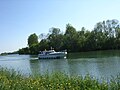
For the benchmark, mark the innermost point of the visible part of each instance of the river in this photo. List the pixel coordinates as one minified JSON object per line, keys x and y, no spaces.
{"x":100,"y":64}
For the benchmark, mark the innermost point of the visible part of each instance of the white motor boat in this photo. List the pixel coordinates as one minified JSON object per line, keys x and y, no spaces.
{"x":51,"y":54}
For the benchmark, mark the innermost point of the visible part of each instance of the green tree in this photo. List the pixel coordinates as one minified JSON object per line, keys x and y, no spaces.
{"x":24,"y":51}
{"x":70,"y":38}
{"x":117,"y":41}
{"x":82,"y":39}
{"x":32,"y":39}
{"x":44,"y":44}
{"x":33,"y":43}
{"x":34,"y":49}
{"x":55,"y":38}
{"x":105,"y":34}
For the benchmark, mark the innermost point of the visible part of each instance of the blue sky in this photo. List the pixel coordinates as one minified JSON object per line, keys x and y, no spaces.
{"x":20,"y":18}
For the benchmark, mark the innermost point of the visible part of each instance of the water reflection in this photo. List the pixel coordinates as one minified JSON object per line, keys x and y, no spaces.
{"x":81,"y":67}
{"x":17,"y":62}
{"x":34,"y":66}
{"x":108,"y":67}
{"x":49,"y":66}
{"x":98,"y":67}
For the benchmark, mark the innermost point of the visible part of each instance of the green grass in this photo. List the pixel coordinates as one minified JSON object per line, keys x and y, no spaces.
{"x":10,"y":80}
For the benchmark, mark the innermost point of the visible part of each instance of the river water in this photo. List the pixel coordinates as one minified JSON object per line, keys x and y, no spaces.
{"x":98,"y":64}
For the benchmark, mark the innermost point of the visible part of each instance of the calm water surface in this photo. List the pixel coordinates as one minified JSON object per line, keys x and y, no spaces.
{"x":99,"y":64}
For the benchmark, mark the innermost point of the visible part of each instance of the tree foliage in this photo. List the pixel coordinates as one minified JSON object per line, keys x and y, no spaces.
{"x":32,"y":39}
{"x":24,"y":51}
{"x":104,"y":36}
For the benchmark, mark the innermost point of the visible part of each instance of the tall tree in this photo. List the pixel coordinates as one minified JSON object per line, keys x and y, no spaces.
{"x":117,"y":41}
{"x":44,"y":44}
{"x":106,"y":34}
{"x":82,"y":37}
{"x":55,"y":38}
{"x":70,"y":38}
{"x":32,"y":39}
{"x":33,"y":43}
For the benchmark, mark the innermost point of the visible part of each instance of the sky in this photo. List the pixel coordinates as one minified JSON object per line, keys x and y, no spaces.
{"x":20,"y":18}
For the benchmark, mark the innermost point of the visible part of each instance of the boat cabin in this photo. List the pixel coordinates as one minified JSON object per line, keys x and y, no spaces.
{"x":46,"y":52}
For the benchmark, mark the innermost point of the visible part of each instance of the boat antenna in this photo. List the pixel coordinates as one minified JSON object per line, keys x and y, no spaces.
{"x":51,"y":48}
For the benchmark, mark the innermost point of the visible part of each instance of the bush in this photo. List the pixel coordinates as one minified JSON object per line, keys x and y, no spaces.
{"x":11,"y":80}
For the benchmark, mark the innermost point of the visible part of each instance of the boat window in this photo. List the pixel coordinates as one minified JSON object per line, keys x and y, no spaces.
{"x":47,"y":53}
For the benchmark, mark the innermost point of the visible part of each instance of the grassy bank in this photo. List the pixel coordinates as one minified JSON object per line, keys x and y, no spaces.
{"x":10,"y":80}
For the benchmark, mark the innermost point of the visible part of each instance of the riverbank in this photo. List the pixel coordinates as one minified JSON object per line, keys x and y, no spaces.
{"x":11,"y":80}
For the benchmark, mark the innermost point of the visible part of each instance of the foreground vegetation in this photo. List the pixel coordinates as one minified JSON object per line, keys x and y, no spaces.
{"x":104,"y":36}
{"x":10,"y":80}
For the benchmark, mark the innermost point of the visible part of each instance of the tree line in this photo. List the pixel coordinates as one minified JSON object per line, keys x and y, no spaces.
{"x":104,"y":36}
